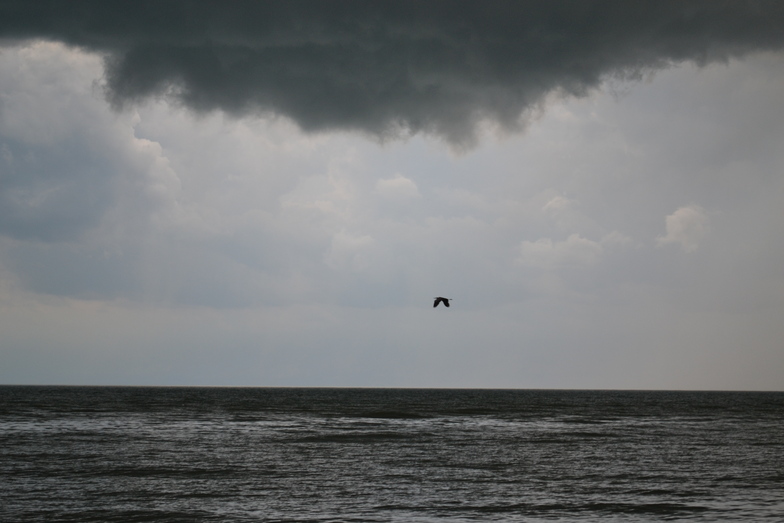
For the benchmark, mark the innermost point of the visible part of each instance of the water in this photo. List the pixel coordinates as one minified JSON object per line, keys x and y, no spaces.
{"x":195,"y":454}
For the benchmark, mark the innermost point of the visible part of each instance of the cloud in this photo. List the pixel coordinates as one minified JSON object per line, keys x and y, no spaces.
{"x":398,"y":188}
{"x":389,"y":67}
{"x":687,"y":226}
{"x":558,"y":204}
{"x":65,"y":161}
{"x":243,"y":251}
{"x":349,"y":252}
{"x":224,"y":212}
{"x":547,"y":254}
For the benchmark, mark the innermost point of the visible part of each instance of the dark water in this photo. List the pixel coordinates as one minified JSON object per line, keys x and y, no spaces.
{"x":194,"y":454}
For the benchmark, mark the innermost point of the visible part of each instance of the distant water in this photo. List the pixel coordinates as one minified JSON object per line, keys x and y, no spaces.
{"x":87,"y":454}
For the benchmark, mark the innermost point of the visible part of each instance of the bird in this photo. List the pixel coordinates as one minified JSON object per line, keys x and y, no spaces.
{"x":439,"y":300}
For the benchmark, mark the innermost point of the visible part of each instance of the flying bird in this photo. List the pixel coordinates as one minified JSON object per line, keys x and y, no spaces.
{"x":439,"y":300}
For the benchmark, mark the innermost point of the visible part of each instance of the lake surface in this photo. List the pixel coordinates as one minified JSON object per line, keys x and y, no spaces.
{"x":274,"y":454}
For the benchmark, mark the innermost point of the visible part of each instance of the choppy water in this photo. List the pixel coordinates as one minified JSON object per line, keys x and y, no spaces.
{"x":194,"y":454}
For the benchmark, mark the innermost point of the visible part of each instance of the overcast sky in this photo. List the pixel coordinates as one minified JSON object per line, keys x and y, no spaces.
{"x":273,"y":194}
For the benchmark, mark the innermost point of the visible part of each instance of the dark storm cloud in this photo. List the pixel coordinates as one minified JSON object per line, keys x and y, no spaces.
{"x":387,"y":67}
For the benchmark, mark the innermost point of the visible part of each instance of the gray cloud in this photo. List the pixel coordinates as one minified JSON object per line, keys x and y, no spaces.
{"x":47,"y":194}
{"x":241,"y":251}
{"x":386,"y":68}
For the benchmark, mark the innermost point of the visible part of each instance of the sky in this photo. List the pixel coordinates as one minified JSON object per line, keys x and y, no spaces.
{"x":272,"y":194}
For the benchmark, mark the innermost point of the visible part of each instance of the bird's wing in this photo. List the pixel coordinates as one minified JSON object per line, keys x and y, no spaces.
{"x":446,"y":302}
{"x":435,"y":303}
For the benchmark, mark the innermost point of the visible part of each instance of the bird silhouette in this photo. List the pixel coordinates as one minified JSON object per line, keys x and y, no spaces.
{"x":439,"y":300}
